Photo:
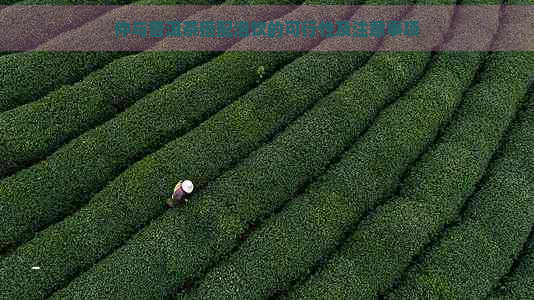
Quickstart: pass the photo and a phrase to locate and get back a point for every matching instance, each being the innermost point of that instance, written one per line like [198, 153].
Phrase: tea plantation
[317, 175]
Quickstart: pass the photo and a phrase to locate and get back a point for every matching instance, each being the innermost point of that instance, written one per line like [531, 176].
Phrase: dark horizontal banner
[267, 28]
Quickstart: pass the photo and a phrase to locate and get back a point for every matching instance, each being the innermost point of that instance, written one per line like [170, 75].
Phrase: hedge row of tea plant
[28, 76]
[475, 253]
[76, 183]
[36, 129]
[254, 181]
[374, 167]
[312, 225]
[78, 169]
[208, 227]
[98, 97]
[302, 153]
[518, 284]
[384, 244]
[138, 195]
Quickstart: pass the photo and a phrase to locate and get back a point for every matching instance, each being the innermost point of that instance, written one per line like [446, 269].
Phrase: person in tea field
[181, 191]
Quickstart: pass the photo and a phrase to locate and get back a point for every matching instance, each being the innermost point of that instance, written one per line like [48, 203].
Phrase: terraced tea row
[255, 189]
[313, 223]
[332, 125]
[201, 154]
[73, 173]
[27, 76]
[477, 251]
[208, 227]
[99, 97]
[384, 244]
[517, 283]
[154, 120]
[71, 110]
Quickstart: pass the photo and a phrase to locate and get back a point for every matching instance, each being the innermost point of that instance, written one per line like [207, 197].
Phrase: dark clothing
[178, 196]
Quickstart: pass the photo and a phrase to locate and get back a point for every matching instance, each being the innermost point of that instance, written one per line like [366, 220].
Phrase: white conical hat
[187, 186]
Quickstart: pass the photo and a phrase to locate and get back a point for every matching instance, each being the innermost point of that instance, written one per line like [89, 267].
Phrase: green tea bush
[34, 130]
[73, 173]
[97, 98]
[476, 252]
[518, 284]
[289, 244]
[384, 244]
[226, 137]
[201, 154]
[375, 165]
[28, 76]
[298, 155]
